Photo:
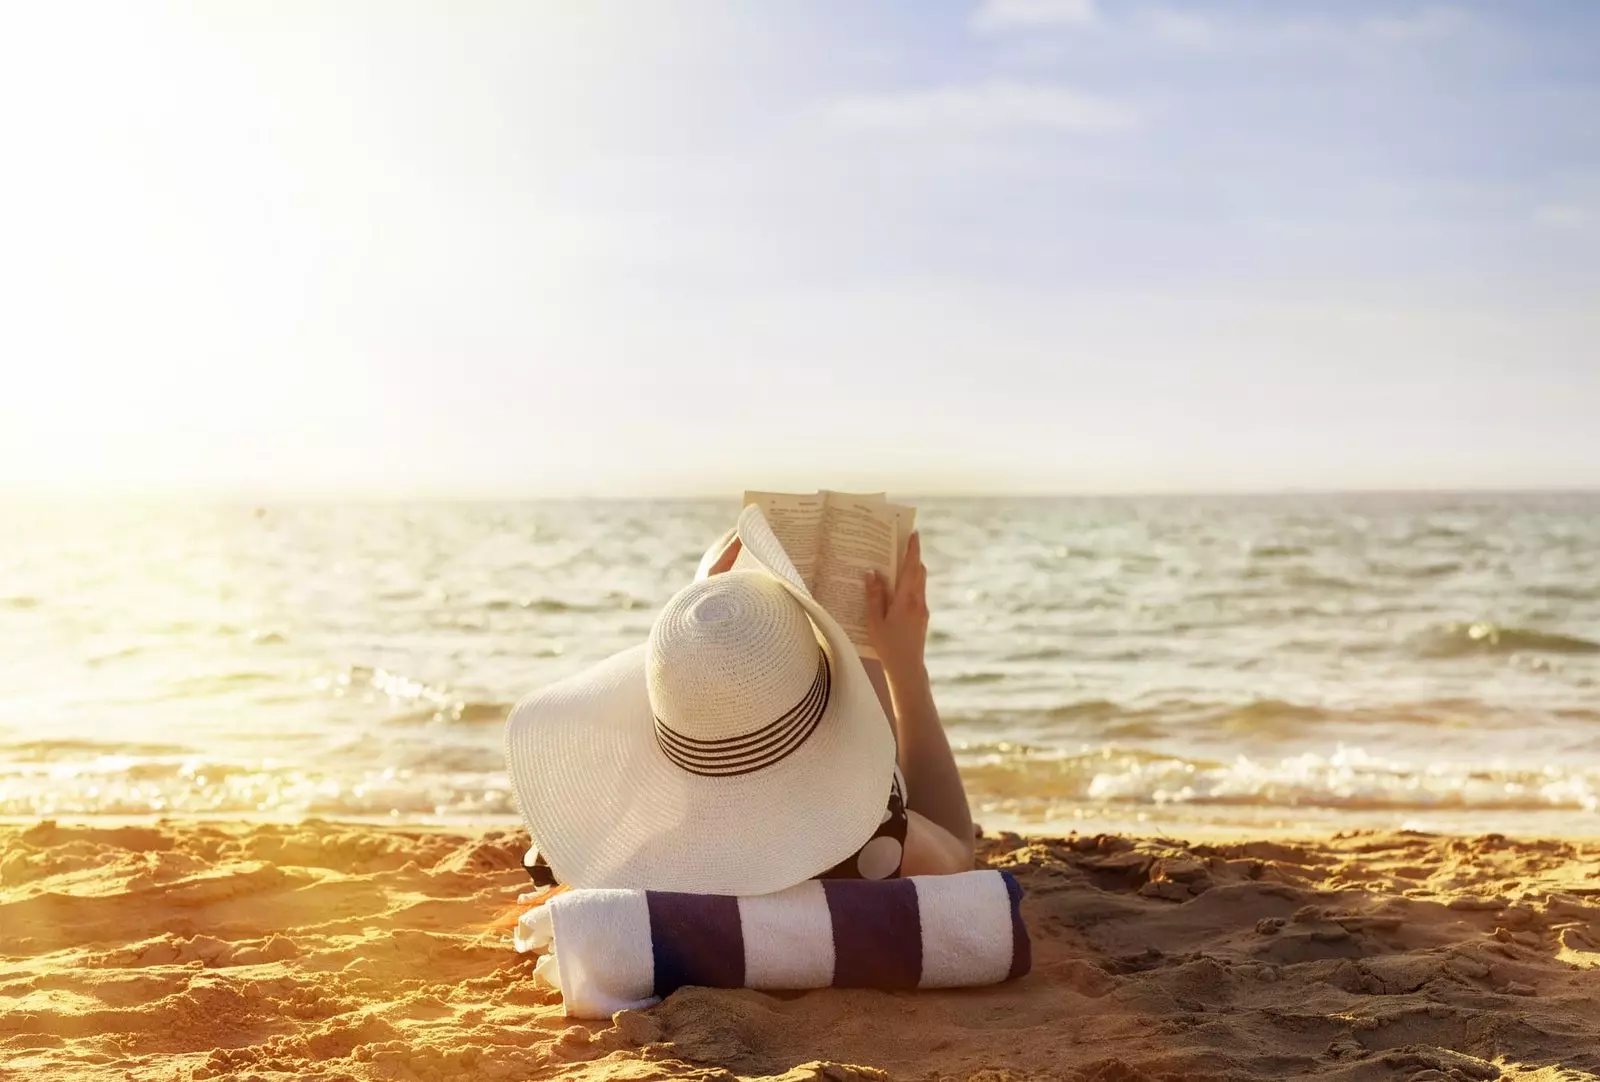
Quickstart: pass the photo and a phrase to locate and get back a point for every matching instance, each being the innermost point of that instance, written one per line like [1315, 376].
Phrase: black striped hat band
[752, 751]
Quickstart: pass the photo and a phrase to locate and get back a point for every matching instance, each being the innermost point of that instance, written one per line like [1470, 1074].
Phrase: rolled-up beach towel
[612, 950]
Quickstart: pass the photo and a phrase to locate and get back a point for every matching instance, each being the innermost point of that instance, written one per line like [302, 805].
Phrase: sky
[695, 246]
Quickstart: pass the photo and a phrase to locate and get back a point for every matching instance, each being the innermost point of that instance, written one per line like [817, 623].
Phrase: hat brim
[607, 808]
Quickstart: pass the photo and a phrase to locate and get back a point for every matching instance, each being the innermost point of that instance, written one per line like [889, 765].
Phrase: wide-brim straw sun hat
[740, 750]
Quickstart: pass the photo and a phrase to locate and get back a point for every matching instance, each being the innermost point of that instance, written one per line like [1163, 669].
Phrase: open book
[834, 539]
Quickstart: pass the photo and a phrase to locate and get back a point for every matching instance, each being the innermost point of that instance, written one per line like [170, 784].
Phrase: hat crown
[729, 655]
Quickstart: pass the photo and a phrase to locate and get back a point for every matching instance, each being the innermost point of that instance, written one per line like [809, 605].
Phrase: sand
[185, 950]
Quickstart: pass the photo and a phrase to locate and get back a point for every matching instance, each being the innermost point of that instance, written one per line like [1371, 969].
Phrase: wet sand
[187, 950]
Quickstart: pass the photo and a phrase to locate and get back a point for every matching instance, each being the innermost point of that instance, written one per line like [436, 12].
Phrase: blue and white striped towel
[613, 950]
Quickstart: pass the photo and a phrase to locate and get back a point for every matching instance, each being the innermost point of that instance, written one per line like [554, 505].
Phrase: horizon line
[259, 497]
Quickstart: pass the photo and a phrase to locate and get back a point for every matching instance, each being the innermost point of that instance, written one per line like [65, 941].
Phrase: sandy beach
[322, 950]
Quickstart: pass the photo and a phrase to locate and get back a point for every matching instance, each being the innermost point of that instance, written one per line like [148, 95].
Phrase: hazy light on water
[1203, 661]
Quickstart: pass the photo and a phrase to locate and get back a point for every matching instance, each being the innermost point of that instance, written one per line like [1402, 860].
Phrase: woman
[744, 748]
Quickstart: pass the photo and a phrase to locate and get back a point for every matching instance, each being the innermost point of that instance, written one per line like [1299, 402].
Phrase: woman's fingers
[713, 553]
[877, 603]
[913, 573]
[725, 561]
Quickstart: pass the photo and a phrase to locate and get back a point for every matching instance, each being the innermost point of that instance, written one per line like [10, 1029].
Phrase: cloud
[1566, 216]
[1363, 38]
[1182, 27]
[983, 107]
[1431, 24]
[993, 15]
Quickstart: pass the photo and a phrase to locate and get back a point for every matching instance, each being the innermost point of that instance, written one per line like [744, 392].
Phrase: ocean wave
[452, 759]
[1437, 570]
[1303, 579]
[249, 792]
[1278, 552]
[534, 604]
[1134, 728]
[613, 602]
[1095, 715]
[1565, 592]
[1086, 710]
[427, 703]
[1267, 717]
[967, 678]
[1109, 721]
[1349, 778]
[1461, 640]
[491, 710]
[460, 711]
[993, 751]
[1015, 777]
[1440, 532]
[1051, 557]
[220, 683]
[94, 661]
[1252, 721]
[45, 751]
[1042, 653]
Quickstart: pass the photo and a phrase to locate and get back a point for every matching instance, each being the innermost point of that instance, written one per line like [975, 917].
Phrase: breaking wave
[1349, 778]
[1463, 640]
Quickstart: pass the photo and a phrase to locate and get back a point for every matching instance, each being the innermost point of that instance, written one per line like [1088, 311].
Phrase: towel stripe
[697, 939]
[1021, 947]
[966, 930]
[877, 933]
[788, 938]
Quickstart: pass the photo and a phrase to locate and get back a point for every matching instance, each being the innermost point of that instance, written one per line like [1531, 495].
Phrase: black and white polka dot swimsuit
[880, 858]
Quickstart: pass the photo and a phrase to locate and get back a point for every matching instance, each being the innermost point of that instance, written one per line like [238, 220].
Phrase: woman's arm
[897, 623]
[880, 684]
[932, 850]
[933, 784]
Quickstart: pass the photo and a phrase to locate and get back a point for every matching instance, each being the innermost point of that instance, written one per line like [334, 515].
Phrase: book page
[904, 516]
[858, 535]
[796, 520]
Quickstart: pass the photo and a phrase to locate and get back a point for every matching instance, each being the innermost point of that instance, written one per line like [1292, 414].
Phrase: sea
[1187, 666]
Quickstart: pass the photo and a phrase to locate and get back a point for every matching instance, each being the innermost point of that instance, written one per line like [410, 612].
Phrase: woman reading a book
[746, 747]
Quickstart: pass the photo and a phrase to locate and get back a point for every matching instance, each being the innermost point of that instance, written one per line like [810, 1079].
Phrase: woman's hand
[724, 559]
[897, 619]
